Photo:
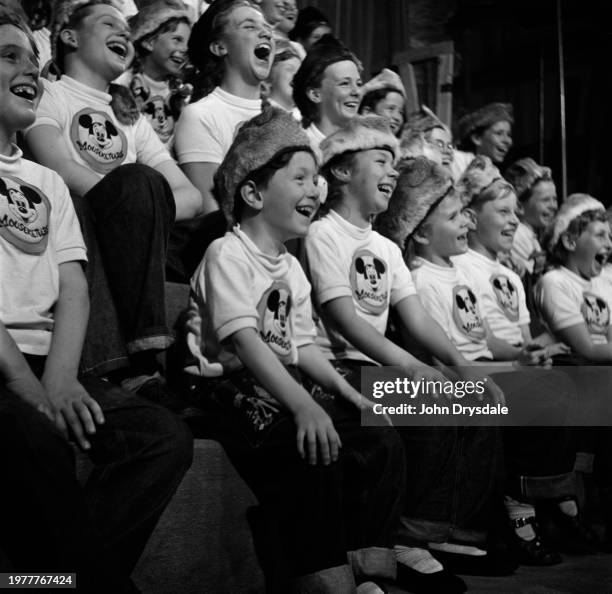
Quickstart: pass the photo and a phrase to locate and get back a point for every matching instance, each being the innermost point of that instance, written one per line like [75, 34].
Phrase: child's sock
[457, 549]
[518, 510]
[369, 588]
[569, 507]
[418, 559]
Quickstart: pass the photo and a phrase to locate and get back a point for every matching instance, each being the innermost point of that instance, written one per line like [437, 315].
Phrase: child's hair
[482, 183]
[68, 15]
[12, 17]
[524, 175]
[557, 251]
[499, 188]
[206, 31]
[308, 19]
[38, 13]
[476, 123]
[167, 26]
[371, 99]
[334, 185]
[327, 51]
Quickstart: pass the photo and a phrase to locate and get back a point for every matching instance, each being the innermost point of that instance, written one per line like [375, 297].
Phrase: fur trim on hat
[421, 186]
[152, 16]
[362, 133]
[573, 206]
[412, 141]
[524, 174]
[483, 118]
[257, 142]
[385, 79]
[480, 175]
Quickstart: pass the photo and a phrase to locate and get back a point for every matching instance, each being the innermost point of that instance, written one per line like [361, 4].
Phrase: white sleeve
[304, 328]
[229, 293]
[402, 285]
[557, 305]
[328, 274]
[196, 137]
[524, 316]
[68, 239]
[51, 110]
[149, 148]
[432, 303]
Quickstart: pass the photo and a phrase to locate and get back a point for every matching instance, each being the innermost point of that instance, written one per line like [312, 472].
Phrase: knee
[175, 441]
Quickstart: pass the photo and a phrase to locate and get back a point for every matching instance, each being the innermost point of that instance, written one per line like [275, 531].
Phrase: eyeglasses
[443, 146]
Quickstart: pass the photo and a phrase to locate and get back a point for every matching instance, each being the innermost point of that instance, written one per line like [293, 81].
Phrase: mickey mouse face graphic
[369, 281]
[24, 215]
[274, 310]
[158, 113]
[98, 140]
[465, 312]
[507, 296]
[596, 313]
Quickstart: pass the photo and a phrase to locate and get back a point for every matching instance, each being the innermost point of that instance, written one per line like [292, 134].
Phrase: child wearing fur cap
[252, 338]
[233, 48]
[159, 32]
[44, 308]
[435, 229]
[327, 88]
[127, 189]
[358, 276]
[385, 95]
[537, 205]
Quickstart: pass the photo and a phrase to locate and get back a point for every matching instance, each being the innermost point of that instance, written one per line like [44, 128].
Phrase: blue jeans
[139, 457]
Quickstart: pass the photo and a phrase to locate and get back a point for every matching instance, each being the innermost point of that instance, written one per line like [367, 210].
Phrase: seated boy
[252, 330]
[385, 96]
[140, 452]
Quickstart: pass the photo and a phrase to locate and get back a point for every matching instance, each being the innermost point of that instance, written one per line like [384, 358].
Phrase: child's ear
[476, 139]
[217, 48]
[520, 208]
[342, 173]
[251, 195]
[421, 235]
[314, 94]
[568, 241]
[366, 110]
[69, 38]
[148, 44]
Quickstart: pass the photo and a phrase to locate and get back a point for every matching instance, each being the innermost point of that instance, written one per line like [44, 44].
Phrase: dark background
[507, 51]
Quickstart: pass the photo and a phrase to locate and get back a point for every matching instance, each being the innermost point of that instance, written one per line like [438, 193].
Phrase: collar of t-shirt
[584, 283]
[528, 231]
[359, 233]
[447, 274]
[274, 265]
[85, 92]
[156, 87]
[484, 261]
[254, 104]
[9, 164]
[316, 134]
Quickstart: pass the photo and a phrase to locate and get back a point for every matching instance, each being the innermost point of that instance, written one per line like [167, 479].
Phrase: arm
[18, 376]
[50, 150]
[72, 404]
[579, 339]
[313, 423]
[201, 175]
[188, 200]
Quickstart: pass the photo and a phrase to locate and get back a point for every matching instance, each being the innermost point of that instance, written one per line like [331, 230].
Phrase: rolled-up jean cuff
[333, 580]
[548, 487]
[373, 562]
[159, 340]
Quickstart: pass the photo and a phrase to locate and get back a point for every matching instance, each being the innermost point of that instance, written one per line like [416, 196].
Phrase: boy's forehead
[13, 37]
[106, 10]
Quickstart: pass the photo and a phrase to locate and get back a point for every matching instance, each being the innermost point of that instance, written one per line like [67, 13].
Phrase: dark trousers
[139, 457]
[126, 220]
[320, 512]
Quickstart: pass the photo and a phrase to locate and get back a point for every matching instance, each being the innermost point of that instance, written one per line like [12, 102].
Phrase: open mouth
[386, 189]
[25, 91]
[353, 105]
[601, 258]
[177, 60]
[305, 210]
[263, 51]
[508, 234]
[462, 237]
[118, 48]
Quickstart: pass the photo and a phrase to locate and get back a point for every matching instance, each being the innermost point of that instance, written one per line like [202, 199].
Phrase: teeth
[118, 49]
[24, 91]
[304, 210]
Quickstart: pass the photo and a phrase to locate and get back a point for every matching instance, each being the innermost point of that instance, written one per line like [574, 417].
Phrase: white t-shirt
[316, 137]
[42, 38]
[91, 131]
[295, 112]
[565, 299]
[525, 247]
[348, 261]
[38, 232]
[237, 286]
[206, 128]
[152, 96]
[447, 295]
[460, 162]
[503, 301]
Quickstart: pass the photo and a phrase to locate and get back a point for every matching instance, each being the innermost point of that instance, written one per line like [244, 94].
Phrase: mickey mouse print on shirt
[101, 144]
[466, 314]
[24, 215]
[275, 326]
[596, 313]
[369, 281]
[506, 295]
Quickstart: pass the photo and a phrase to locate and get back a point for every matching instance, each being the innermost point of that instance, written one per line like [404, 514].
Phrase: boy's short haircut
[327, 51]
[9, 16]
[524, 175]
[67, 14]
[259, 149]
[481, 183]
[574, 216]
[372, 98]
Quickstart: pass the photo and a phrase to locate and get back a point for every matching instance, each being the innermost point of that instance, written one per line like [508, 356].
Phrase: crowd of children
[324, 227]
